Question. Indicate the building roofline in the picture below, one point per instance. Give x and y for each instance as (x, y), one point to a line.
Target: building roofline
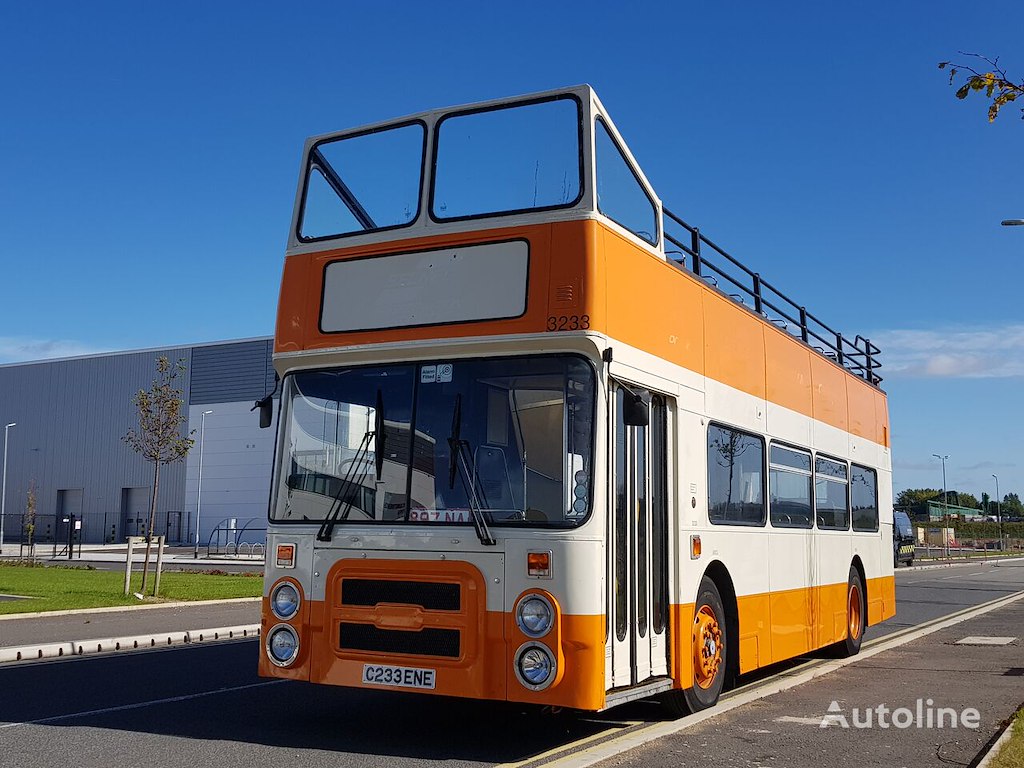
(120, 352)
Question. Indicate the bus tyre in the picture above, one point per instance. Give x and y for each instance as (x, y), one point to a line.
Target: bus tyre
(856, 615)
(708, 649)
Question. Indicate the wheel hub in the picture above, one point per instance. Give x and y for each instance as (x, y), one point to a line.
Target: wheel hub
(707, 647)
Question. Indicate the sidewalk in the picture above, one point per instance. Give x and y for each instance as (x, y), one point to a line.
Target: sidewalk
(784, 730)
(36, 630)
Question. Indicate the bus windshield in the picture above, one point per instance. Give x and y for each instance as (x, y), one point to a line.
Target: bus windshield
(524, 156)
(420, 443)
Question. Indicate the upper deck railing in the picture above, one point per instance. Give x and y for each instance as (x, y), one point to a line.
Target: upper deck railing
(859, 356)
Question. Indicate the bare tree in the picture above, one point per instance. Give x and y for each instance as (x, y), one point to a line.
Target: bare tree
(996, 84)
(158, 438)
(30, 519)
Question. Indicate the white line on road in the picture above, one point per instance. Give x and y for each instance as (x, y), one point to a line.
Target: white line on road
(140, 704)
(799, 720)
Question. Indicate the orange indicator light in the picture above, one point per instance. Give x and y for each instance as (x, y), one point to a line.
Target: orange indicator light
(285, 555)
(694, 547)
(538, 564)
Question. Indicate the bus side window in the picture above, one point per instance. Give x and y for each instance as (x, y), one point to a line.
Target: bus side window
(735, 477)
(864, 492)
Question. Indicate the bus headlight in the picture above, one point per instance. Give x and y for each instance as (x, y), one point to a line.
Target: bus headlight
(282, 645)
(535, 666)
(284, 600)
(535, 615)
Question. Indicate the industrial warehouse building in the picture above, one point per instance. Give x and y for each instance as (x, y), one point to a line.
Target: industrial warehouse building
(70, 415)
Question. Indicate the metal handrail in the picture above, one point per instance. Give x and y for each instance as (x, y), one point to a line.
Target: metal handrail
(859, 356)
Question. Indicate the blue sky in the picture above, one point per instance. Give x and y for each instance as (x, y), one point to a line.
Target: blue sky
(149, 156)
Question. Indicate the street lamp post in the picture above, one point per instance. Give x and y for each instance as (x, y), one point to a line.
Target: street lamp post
(3, 487)
(945, 505)
(999, 514)
(199, 494)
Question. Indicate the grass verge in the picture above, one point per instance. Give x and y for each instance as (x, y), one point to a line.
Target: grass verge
(1012, 753)
(63, 588)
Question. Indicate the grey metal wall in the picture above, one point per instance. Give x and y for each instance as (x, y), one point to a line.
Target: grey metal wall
(231, 372)
(71, 415)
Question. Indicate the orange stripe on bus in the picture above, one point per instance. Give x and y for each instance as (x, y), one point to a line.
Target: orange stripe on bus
(585, 269)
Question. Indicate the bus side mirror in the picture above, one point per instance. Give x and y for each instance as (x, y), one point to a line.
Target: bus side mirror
(635, 412)
(266, 407)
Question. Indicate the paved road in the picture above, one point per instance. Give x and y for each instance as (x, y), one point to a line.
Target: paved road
(211, 709)
(16, 630)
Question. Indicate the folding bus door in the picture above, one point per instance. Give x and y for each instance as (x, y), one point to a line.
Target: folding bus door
(638, 546)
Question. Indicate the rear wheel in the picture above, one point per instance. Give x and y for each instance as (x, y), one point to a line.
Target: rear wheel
(708, 648)
(856, 615)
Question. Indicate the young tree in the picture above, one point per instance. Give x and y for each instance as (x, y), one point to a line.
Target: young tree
(158, 438)
(30, 519)
(996, 84)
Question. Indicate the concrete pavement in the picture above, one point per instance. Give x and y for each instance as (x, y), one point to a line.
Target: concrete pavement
(971, 682)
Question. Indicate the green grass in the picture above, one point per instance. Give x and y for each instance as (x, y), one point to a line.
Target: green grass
(1012, 753)
(58, 589)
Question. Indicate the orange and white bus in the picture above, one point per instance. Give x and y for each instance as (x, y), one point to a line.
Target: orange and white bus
(540, 441)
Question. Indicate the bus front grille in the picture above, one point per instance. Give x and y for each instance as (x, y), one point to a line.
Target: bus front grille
(431, 596)
(430, 641)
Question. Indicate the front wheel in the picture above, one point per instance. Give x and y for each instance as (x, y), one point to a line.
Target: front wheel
(708, 647)
(856, 615)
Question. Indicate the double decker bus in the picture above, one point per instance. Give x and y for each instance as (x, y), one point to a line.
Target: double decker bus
(541, 441)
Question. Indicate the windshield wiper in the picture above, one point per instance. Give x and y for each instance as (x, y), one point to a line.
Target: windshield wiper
(341, 190)
(458, 463)
(340, 510)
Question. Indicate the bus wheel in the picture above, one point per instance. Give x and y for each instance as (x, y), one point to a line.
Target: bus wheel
(856, 615)
(708, 646)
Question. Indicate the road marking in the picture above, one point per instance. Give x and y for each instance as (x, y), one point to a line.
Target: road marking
(799, 720)
(140, 704)
(740, 697)
(983, 640)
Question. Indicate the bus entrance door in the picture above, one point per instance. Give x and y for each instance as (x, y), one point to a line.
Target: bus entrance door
(637, 645)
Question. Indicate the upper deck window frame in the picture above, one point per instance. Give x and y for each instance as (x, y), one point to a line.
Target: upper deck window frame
(602, 123)
(580, 147)
(308, 167)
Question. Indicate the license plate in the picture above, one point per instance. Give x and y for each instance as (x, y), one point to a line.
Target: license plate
(403, 677)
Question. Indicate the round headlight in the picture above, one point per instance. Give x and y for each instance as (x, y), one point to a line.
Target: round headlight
(284, 601)
(282, 645)
(535, 666)
(535, 616)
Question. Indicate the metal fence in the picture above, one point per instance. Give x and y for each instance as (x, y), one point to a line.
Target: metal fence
(55, 531)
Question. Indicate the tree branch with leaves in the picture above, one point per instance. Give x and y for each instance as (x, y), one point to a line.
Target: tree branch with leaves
(989, 78)
(158, 437)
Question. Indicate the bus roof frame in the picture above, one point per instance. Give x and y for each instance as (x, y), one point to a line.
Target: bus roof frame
(591, 109)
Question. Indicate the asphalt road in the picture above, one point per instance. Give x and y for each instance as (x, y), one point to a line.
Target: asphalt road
(204, 705)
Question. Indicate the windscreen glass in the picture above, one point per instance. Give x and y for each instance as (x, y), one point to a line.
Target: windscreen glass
(517, 158)
(424, 443)
(363, 183)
